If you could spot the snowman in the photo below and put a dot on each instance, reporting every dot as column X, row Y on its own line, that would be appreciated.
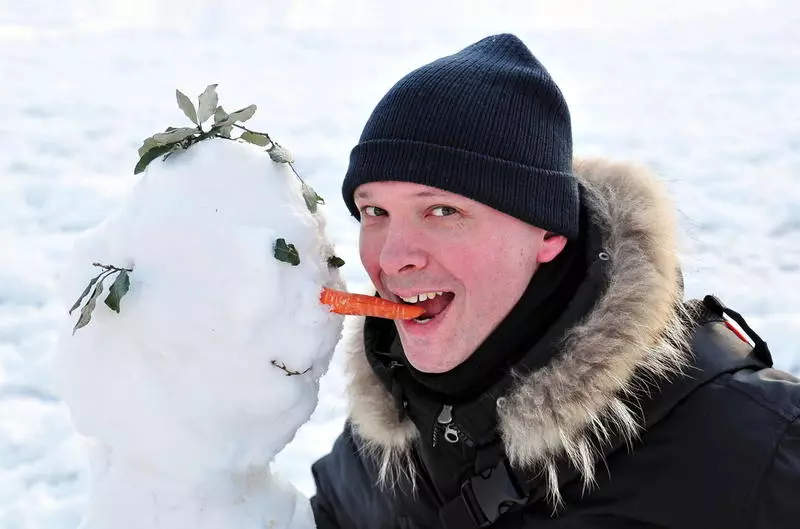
column 202, row 314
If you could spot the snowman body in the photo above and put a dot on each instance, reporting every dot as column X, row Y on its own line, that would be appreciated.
column 212, row 364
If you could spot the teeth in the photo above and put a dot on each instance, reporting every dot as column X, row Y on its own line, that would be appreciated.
column 421, row 297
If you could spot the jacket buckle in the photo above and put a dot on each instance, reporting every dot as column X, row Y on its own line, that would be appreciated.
column 491, row 494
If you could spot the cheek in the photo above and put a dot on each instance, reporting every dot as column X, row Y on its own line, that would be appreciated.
column 499, row 271
column 369, row 249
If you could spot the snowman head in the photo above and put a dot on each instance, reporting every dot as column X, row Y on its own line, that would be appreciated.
column 215, row 356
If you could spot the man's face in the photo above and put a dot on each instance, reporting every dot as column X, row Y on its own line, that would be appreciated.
column 420, row 240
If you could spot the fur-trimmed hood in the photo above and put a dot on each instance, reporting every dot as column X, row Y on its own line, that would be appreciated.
column 633, row 337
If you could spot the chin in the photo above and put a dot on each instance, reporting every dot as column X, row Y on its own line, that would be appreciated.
column 434, row 364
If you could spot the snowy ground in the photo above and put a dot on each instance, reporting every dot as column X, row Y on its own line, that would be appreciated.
column 705, row 93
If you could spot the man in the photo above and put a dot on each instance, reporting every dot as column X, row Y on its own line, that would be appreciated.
column 557, row 378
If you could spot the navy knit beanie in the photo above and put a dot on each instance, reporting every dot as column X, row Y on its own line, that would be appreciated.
column 487, row 123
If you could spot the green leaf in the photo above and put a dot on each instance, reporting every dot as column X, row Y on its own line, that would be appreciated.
column 148, row 144
column 225, row 132
column 118, row 289
column 335, row 262
column 207, row 103
column 86, row 291
column 280, row 154
column 186, row 105
column 286, row 252
column 220, row 115
column 174, row 136
column 151, row 155
column 86, row 311
column 262, row 140
column 311, row 197
column 242, row 115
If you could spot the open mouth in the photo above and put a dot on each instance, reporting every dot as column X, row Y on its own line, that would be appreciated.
column 434, row 303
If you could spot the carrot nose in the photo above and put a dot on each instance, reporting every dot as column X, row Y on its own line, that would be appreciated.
column 363, row 305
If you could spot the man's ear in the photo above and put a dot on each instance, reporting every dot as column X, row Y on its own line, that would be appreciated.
column 552, row 244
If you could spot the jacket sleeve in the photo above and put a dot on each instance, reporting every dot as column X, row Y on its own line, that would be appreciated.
column 328, row 471
column 777, row 504
column 346, row 495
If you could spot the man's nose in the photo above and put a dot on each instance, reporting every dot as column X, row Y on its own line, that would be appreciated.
column 402, row 249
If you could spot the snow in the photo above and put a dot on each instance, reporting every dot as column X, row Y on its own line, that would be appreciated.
column 186, row 394
column 703, row 91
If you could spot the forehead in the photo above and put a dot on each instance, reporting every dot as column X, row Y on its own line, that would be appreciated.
column 400, row 190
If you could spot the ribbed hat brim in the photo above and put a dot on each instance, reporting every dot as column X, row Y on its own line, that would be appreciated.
column 503, row 185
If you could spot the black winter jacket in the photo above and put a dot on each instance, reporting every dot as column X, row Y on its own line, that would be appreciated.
column 651, row 413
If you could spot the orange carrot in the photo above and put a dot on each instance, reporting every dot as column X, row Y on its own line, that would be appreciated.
column 364, row 305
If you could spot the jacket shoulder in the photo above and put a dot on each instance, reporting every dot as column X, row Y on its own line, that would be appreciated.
column 725, row 344
column 773, row 390
column 729, row 430
column 770, row 399
column 748, row 403
column 729, row 355
column 745, row 427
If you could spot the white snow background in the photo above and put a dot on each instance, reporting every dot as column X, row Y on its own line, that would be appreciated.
column 705, row 92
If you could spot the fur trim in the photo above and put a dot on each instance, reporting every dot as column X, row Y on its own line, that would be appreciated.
column 374, row 415
column 633, row 337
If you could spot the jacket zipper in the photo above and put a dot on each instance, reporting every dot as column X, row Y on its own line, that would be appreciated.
column 445, row 424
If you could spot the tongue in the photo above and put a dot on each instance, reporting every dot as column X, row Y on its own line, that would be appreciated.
column 436, row 305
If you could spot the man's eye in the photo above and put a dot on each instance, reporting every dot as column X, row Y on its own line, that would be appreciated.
column 443, row 211
column 373, row 211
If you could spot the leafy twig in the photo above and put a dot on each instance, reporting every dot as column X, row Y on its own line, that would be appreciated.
column 289, row 372
column 117, row 291
column 176, row 139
